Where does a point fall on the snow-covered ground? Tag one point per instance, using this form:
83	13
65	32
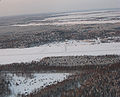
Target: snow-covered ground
68	23
27	85
70	48
93	17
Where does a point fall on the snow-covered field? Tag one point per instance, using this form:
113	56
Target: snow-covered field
68	23
70	48
26	85
92	17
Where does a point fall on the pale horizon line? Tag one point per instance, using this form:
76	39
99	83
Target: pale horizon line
86	10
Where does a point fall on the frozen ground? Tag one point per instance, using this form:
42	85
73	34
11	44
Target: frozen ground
70	48
68	23
26	85
93	17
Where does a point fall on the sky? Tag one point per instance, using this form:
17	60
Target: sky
20	7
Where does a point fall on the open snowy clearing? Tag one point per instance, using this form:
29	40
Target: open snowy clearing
26	85
70	48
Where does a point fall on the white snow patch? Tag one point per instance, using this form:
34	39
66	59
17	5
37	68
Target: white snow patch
27	85
67	22
93	17
70	48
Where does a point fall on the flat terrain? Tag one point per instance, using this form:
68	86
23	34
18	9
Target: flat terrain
70	48
74	54
36	30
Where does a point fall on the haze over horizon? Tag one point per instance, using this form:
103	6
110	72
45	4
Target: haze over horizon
19	7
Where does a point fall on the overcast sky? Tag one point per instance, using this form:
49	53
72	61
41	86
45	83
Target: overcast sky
15	7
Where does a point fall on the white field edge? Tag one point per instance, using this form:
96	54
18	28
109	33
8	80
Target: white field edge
70	48
68	23
77	18
26	85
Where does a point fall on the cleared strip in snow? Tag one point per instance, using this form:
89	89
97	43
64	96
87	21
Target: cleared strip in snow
70	48
27	85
